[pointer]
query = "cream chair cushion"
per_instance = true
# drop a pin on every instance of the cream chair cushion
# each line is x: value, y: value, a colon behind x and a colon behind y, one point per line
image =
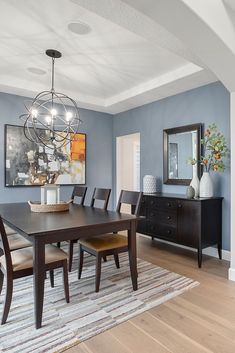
x: 23, y: 258
x: 16, y: 241
x: 9, y: 230
x: 105, y: 242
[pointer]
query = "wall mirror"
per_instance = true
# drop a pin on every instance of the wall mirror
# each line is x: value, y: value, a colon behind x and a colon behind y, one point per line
x: 180, y: 144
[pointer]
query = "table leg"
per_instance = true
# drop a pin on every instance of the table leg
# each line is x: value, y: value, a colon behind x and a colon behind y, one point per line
x: 39, y: 277
x: 132, y: 254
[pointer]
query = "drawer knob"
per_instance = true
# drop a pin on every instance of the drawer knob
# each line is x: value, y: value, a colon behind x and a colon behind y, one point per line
x: 169, y: 231
x: 180, y: 206
x: 168, y: 217
x: 169, y: 204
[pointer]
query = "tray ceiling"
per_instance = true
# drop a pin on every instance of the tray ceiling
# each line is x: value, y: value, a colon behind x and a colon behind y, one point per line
x: 112, y: 66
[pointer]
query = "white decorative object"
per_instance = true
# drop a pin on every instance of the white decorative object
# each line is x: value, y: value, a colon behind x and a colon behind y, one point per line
x: 51, y: 197
x: 149, y: 184
x: 195, y: 183
x: 206, y: 185
x: 50, y: 194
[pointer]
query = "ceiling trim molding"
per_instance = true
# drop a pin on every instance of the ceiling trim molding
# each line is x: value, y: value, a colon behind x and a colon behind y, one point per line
x: 137, y: 22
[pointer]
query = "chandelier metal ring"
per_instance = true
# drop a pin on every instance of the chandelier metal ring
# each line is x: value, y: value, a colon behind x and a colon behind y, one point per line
x: 52, y: 119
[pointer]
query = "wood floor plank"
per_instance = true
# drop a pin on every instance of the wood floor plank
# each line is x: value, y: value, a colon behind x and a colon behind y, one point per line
x: 215, y: 304
x: 207, y: 317
x: 204, y: 336
x: 136, y: 340
x: 105, y: 343
x: 166, y: 335
x: 207, y: 323
x: 80, y: 348
x: 201, y: 320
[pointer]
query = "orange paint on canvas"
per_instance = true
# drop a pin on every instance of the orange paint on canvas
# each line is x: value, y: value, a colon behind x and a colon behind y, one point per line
x: 77, y: 148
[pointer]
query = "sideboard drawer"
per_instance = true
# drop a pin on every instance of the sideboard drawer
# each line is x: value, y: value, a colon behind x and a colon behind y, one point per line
x: 168, y: 217
x: 161, y: 203
x: 161, y: 231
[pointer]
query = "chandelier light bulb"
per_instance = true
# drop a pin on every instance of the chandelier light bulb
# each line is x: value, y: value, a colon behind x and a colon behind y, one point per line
x: 34, y: 113
x: 69, y: 116
x: 48, y: 119
x: 53, y: 112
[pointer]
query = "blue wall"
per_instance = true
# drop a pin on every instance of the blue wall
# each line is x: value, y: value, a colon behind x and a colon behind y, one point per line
x: 97, y: 126
x: 205, y: 105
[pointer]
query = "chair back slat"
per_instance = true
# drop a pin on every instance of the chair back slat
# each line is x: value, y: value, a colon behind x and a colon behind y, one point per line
x: 79, y: 191
x: 5, y: 246
x: 101, y: 195
x: 132, y: 198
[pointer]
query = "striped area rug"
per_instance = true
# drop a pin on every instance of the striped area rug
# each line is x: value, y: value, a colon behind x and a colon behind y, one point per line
x: 88, y: 313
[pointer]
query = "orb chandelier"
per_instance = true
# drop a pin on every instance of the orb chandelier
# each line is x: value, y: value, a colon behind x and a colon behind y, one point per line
x: 52, y: 118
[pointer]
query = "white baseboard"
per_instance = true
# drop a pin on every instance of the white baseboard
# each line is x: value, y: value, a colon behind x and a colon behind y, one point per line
x: 211, y: 251
x: 231, y: 274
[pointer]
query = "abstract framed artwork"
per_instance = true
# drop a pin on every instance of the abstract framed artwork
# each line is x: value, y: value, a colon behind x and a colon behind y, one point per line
x: 28, y: 164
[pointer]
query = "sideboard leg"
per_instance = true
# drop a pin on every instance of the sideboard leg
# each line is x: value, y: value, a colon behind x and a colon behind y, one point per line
x: 220, y: 250
x: 199, y: 256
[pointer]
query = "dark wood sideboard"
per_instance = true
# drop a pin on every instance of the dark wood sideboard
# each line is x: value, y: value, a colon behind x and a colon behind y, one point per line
x: 195, y: 223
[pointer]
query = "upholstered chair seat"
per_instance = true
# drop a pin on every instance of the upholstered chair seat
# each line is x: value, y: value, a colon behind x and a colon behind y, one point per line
x: 23, y: 258
x: 105, y: 242
x: 16, y: 241
x: 9, y: 230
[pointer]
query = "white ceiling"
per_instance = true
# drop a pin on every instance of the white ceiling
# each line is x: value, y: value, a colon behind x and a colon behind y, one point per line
x: 126, y: 60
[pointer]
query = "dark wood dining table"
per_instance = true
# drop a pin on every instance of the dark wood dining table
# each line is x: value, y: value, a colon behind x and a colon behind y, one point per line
x: 78, y: 222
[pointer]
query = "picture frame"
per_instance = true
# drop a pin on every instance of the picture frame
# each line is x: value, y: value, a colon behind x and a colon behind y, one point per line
x: 29, y: 164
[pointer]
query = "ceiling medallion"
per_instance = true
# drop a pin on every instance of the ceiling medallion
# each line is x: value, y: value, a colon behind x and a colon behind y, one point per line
x: 79, y: 28
x: 52, y: 118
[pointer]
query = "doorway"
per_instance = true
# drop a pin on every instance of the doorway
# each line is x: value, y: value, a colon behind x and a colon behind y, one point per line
x: 127, y: 164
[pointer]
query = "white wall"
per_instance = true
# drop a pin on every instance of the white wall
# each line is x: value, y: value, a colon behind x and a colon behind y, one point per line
x: 127, y: 170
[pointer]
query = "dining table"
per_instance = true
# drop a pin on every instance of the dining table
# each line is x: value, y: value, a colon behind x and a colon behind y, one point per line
x: 52, y: 227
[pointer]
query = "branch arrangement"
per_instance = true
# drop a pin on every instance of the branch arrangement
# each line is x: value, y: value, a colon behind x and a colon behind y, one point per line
x: 215, y: 149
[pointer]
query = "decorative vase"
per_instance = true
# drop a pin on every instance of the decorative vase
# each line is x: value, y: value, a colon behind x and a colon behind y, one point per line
x: 190, y: 192
x: 149, y: 184
x: 206, y: 185
x: 195, y: 183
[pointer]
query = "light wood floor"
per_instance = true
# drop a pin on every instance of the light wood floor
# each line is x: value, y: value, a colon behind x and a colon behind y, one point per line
x: 198, y: 321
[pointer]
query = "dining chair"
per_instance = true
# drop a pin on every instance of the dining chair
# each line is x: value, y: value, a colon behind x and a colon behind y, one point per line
x: 19, y: 263
x: 78, y: 196
x: 80, y: 192
x: 15, y: 240
x: 109, y: 244
x: 99, y: 194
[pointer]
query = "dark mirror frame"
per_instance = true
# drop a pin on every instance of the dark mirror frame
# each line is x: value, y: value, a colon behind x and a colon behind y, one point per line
x: 176, y: 130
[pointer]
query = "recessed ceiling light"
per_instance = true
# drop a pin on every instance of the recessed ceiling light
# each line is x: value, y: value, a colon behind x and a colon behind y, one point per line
x: 79, y: 28
x: 36, y: 71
